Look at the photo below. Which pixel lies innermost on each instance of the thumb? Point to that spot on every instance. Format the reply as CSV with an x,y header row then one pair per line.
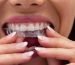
x,y
9,38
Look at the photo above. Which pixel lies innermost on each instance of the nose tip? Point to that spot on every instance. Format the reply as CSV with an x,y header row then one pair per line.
x,y
26,3
21,4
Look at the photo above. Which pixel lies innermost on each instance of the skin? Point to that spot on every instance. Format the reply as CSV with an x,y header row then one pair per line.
x,y
61,12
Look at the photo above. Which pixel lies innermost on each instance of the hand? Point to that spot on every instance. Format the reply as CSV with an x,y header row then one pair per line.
x,y
10,52
56,46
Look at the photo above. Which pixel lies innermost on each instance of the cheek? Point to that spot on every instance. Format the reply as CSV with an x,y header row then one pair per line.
x,y
64,7
66,12
2,2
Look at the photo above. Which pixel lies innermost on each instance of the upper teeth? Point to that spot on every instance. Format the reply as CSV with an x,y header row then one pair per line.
x,y
27,26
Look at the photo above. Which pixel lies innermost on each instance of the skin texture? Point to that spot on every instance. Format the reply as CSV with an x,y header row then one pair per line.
x,y
55,45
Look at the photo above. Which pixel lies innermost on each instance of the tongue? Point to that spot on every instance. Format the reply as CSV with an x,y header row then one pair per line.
x,y
33,41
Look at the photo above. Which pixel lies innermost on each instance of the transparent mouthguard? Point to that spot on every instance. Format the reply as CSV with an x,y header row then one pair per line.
x,y
27,33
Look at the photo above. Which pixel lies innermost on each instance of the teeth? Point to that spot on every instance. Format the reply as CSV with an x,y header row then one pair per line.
x,y
21,34
17,27
27,26
22,27
30,27
42,26
11,27
36,26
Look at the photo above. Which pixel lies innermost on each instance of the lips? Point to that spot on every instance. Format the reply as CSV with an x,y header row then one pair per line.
x,y
27,19
27,26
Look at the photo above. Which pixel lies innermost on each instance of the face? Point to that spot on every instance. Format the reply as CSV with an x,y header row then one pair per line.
x,y
59,14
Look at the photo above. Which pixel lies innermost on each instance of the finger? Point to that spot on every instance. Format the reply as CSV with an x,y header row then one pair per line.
x,y
52,33
19,39
71,64
53,61
57,53
13,48
8,39
17,58
56,42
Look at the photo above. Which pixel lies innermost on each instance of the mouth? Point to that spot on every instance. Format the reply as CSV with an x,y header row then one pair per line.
x,y
28,27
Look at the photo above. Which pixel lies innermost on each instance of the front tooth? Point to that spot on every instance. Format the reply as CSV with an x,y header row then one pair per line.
x,y
32,27
22,27
17,27
36,26
14,27
27,26
41,26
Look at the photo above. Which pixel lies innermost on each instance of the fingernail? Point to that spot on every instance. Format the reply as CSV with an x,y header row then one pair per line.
x,y
28,54
22,45
42,38
11,35
39,49
49,28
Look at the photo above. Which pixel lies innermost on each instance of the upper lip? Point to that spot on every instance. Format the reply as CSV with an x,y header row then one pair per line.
x,y
27,19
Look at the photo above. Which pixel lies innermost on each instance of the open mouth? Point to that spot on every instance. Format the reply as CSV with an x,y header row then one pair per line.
x,y
28,27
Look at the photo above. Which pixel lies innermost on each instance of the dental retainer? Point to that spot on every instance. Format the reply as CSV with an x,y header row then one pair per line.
x,y
29,36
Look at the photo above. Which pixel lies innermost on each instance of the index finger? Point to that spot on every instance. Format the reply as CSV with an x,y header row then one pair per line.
x,y
9,39
56,42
